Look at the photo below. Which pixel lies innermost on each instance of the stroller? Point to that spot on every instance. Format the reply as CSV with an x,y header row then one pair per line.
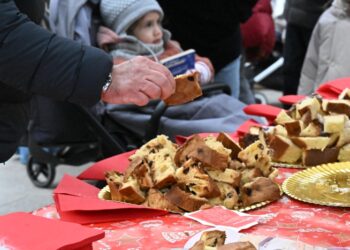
x,y
63,133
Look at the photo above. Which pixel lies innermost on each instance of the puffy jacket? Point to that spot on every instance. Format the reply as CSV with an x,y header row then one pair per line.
x,y
210,27
258,33
34,61
328,55
304,12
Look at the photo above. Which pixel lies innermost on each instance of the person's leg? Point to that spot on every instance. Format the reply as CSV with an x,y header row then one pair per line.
x,y
297,39
230,76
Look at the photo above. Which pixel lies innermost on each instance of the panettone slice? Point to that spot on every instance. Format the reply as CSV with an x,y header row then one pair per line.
x,y
193,178
184,200
114,181
196,148
229,143
259,190
187,89
156,199
210,240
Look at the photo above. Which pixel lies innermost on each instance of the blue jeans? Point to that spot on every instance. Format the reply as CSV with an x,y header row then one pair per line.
x,y
230,76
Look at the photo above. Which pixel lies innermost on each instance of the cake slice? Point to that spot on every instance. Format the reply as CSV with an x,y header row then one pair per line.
x,y
197,149
243,245
184,200
130,192
114,181
284,150
156,199
334,123
260,189
193,178
345,94
229,176
311,105
344,153
257,155
163,170
337,106
210,240
187,89
294,127
314,157
320,142
313,129
229,143
283,117
228,196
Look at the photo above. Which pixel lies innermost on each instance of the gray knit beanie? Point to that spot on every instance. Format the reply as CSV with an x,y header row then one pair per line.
x,y
119,15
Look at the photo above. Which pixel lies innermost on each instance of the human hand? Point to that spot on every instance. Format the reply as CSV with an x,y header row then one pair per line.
x,y
204,71
106,36
204,66
138,81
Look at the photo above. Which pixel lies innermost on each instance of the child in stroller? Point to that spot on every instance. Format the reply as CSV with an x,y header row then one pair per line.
x,y
213,113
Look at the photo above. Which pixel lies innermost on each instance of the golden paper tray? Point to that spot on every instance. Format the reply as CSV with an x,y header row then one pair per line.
x,y
327,184
288,165
105,194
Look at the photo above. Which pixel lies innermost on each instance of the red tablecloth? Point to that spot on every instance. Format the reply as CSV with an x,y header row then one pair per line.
x,y
317,225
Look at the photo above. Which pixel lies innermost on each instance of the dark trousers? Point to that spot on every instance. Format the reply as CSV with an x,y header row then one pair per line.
x,y
297,40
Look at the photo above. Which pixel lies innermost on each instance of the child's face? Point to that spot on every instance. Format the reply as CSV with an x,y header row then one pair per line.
x,y
148,29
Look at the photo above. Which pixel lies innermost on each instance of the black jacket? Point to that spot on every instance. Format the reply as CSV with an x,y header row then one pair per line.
x,y
35,61
210,27
304,13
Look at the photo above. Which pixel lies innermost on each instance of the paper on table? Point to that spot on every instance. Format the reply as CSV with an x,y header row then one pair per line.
x,y
77,201
268,111
24,231
291,99
97,171
332,89
221,216
244,128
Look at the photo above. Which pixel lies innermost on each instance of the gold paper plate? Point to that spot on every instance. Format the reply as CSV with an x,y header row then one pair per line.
x,y
327,184
105,194
288,165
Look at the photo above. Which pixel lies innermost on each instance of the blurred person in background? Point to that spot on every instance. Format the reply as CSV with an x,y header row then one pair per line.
x,y
258,36
328,54
212,28
301,17
35,61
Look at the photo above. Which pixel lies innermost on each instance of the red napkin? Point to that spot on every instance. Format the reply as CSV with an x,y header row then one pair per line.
x,y
96,171
244,128
291,99
77,201
27,231
268,111
332,89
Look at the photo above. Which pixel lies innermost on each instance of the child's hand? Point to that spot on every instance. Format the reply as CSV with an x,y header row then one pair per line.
x,y
205,72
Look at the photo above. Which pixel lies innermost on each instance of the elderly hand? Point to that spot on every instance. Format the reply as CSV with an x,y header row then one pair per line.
x,y
106,36
138,81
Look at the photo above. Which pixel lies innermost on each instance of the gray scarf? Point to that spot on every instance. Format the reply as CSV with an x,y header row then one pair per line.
x,y
130,47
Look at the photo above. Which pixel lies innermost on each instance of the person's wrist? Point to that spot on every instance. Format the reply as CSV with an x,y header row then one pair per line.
x,y
107,84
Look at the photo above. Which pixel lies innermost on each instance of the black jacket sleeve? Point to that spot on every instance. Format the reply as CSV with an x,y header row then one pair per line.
x,y
37,61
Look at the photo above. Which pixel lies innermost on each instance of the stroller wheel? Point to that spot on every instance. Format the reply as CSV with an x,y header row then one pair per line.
x,y
41,174
260,98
